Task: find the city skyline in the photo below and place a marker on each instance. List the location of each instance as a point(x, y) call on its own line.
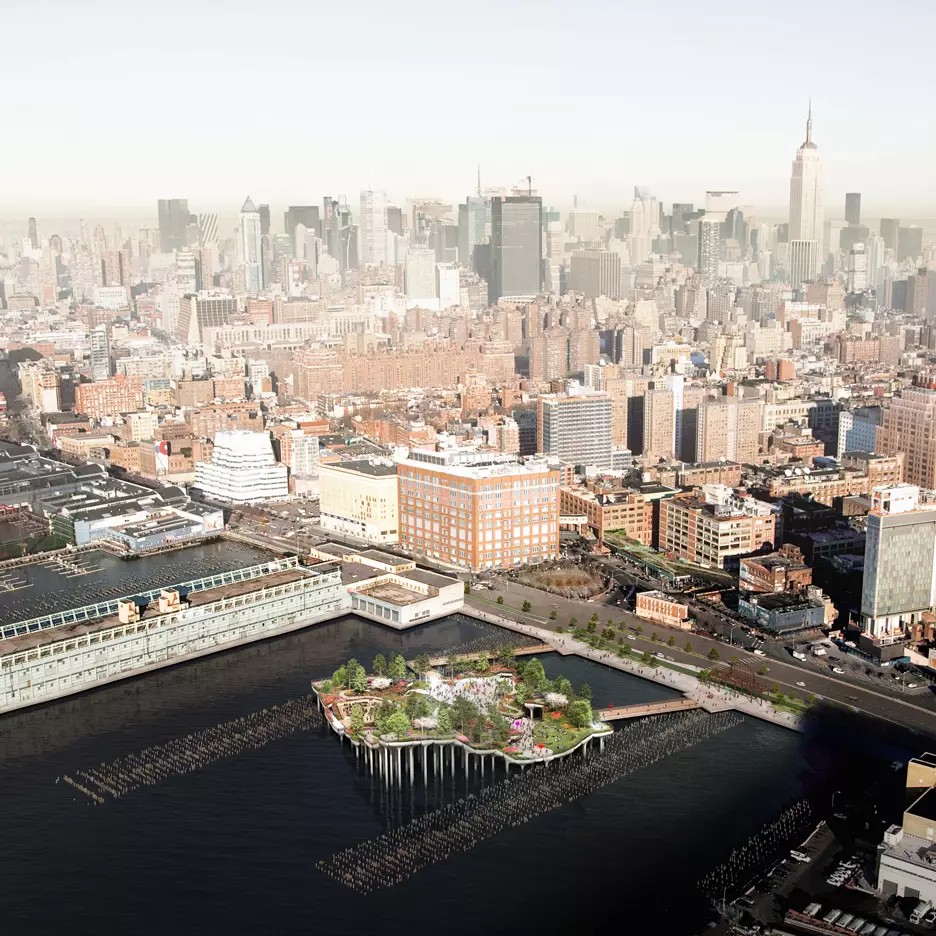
point(621, 119)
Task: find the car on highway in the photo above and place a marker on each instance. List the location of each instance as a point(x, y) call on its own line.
point(759, 653)
point(838, 671)
point(631, 637)
point(802, 685)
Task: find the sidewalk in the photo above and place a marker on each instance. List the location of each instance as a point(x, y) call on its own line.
point(712, 698)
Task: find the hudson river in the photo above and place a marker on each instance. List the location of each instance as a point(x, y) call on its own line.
point(232, 846)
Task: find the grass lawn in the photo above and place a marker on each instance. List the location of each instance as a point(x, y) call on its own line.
point(557, 737)
point(793, 705)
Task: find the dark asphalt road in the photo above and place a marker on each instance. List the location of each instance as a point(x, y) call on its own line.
point(904, 711)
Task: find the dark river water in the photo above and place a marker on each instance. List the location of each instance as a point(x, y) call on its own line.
point(232, 847)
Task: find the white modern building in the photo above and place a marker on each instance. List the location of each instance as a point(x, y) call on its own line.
point(359, 498)
point(899, 582)
point(251, 246)
point(243, 469)
point(806, 212)
point(372, 227)
point(858, 430)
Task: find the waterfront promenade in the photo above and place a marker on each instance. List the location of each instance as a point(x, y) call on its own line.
point(710, 697)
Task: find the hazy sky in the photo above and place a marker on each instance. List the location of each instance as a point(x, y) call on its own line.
point(112, 104)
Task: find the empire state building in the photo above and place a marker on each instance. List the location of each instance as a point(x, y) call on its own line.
point(805, 233)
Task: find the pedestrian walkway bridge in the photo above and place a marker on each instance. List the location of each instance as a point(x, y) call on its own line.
point(532, 650)
point(616, 713)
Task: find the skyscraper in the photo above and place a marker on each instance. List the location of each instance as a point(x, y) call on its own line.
point(372, 227)
point(307, 215)
point(471, 219)
point(906, 428)
point(853, 207)
point(909, 243)
point(899, 582)
point(516, 246)
point(596, 273)
point(251, 246)
point(804, 261)
point(174, 218)
point(100, 353)
point(644, 225)
point(889, 230)
point(806, 192)
point(264, 212)
point(32, 233)
point(857, 269)
point(576, 428)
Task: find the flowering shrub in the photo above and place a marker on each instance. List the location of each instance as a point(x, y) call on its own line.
point(556, 700)
point(380, 682)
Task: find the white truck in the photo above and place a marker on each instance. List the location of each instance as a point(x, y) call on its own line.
point(798, 656)
point(818, 651)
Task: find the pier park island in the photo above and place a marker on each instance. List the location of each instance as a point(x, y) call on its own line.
point(490, 705)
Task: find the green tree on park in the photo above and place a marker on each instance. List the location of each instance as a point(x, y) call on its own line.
point(639, 629)
point(776, 688)
point(560, 629)
point(534, 675)
point(671, 642)
point(654, 637)
point(552, 615)
point(688, 647)
point(526, 606)
point(359, 679)
point(564, 687)
point(762, 670)
point(713, 654)
point(357, 719)
point(398, 724)
point(573, 621)
point(608, 633)
point(506, 656)
point(467, 588)
point(421, 663)
point(481, 663)
point(397, 667)
point(464, 711)
point(384, 711)
point(379, 666)
point(339, 677)
point(500, 599)
point(610, 622)
point(444, 719)
point(585, 691)
point(501, 731)
point(579, 713)
point(592, 626)
point(523, 692)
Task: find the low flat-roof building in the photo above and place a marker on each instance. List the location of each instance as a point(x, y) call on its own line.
point(659, 607)
point(783, 613)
